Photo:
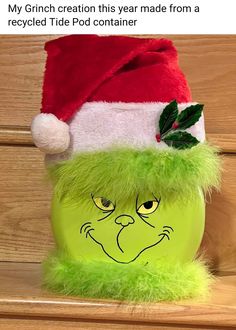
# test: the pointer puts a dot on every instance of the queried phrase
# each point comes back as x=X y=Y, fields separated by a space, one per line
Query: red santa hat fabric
x=88 y=69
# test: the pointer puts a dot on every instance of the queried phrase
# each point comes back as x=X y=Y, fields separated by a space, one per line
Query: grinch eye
x=103 y=204
x=148 y=207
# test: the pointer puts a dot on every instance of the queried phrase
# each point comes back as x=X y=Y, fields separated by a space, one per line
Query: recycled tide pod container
x=126 y=152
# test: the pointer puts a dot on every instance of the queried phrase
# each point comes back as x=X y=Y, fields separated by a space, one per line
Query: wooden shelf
x=22 y=301
x=15 y=135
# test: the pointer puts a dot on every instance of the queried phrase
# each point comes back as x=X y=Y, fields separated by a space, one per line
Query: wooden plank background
x=209 y=63
x=21 y=298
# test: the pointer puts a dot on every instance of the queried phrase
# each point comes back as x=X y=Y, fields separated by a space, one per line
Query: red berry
x=158 y=138
x=175 y=125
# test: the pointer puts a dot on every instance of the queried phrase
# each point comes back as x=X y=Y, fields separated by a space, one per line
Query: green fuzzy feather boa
x=124 y=172
x=133 y=283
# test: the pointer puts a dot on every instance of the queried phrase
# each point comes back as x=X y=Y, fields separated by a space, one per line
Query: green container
x=128 y=224
x=139 y=230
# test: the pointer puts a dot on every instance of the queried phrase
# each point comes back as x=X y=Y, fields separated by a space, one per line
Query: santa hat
x=104 y=90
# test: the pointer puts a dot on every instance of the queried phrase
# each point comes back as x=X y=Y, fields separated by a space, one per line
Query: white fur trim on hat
x=50 y=134
x=101 y=125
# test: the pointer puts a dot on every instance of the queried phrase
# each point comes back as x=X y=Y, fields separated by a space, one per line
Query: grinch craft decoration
x=126 y=152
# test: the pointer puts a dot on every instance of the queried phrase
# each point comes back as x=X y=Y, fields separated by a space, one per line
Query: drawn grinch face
x=121 y=226
x=140 y=229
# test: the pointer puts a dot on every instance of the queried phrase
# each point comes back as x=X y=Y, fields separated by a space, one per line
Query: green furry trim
x=124 y=172
x=160 y=282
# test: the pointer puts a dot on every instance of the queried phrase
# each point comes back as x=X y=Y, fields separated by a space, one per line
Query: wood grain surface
x=52 y=324
x=25 y=233
x=25 y=211
x=219 y=242
x=22 y=297
x=16 y=135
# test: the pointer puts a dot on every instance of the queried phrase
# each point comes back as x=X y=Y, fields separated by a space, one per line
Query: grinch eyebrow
x=157 y=199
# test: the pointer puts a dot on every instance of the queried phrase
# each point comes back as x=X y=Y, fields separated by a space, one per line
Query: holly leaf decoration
x=189 y=116
x=168 y=117
x=180 y=140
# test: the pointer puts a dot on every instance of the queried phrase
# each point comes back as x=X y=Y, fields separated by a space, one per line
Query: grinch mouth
x=125 y=262
x=86 y=229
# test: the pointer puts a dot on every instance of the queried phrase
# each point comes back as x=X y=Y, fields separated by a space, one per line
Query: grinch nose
x=124 y=220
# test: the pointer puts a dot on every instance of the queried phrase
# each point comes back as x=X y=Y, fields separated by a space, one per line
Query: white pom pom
x=50 y=134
